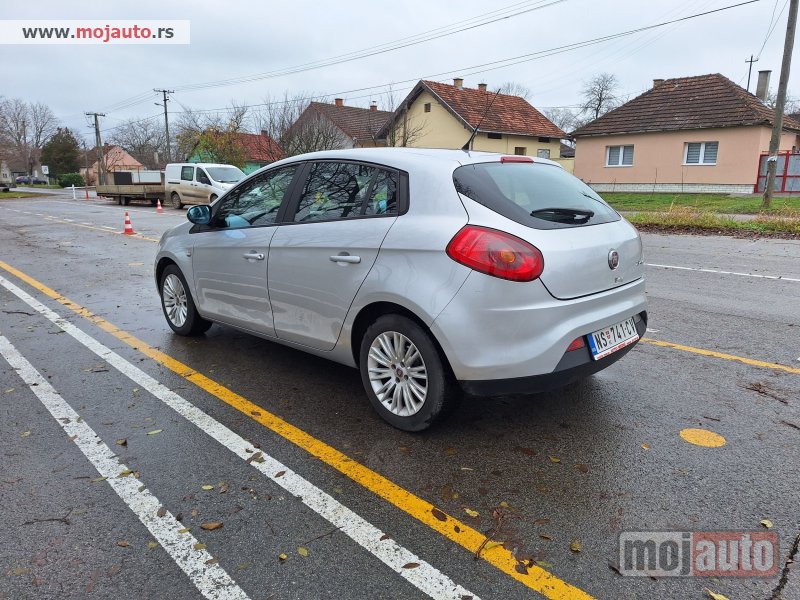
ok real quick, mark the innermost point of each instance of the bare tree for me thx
(402, 129)
(25, 128)
(212, 134)
(297, 126)
(512, 88)
(142, 139)
(599, 96)
(791, 106)
(564, 118)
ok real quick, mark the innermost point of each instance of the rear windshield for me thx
(537, 195)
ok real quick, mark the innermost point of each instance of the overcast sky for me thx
(237, 38)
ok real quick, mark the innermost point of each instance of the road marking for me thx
(774, 277)
(210, 579)
(702, 437)
(103, 228)
(533, 576)
(425, 577)
(723, 356)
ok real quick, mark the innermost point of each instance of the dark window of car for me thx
(383, 198)
(494, 136)
(537, 195)
(256, 202)
(202, 177)
(187, 173)
(334, 190)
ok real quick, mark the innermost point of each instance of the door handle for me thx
(346, 258)
(253, 255)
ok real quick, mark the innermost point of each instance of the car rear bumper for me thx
(573, 366)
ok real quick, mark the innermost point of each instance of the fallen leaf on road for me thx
(645, 446)
(98, 479)
(212, 561)
(471, 513)
(582, 467)
(184, 530)
(411, 565)
(123, 543)
(385, 536)
(438, 514)
(154, 432)
(199, 546)
(521, 568)
(767, 523)
(152, 545)
(125, 473)
(547, 537)
(280, 474)
(207, 488)
(450, 451)
(282, 556)
(576, 546)
(162, 511)
(490, 545)
(544, 564)
(714, 595)
(554, 459)
(223, 488)
(302, 551)
(211, 525)
(25, 433)
(255, 456)
(122, 442)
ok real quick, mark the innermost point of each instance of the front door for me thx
(230, 258)
(318, 261)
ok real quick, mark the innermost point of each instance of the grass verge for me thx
(788, 206)
(6, 195)
(683, 220)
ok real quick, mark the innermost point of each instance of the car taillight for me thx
(576, 344)
(496, 253)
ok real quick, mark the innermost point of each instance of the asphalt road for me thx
(317, 497)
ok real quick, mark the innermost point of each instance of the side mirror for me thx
(199, 215)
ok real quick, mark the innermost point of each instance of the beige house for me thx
(689, 134)
(438, 115)
(114, 158)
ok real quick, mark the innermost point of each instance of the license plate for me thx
(609, 340)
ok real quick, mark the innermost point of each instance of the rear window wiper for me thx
(552, 214)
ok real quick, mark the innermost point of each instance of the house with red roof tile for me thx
(440, 115)
(259, 150)
(688, 134)
(334, 126)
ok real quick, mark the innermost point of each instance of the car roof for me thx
(405, 158)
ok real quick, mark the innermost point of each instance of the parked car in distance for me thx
(434, 272)
(5, 187)
(198, 183)
(25, 180)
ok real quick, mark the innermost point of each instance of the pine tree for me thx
(61, 152)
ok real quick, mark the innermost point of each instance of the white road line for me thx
(425, 577)
(775, 277)
(210, 579)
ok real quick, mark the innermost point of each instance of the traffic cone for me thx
(128, 225)
(159, 209)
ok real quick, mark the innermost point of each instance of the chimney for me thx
(459, 83)
(762, 88)
(482, 87)
(338, 102)
(264, 132)
(373, 106)
(657, 82)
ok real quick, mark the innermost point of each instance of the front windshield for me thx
(225, 174)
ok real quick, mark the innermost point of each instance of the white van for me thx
(198, 183)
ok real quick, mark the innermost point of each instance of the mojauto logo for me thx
(698, 553)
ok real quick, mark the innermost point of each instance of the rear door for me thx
(320, 258)
(229, 258)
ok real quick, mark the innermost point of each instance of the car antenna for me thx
(465, 147)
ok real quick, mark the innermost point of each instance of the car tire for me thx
(178, 304)
(417, 393)
(176, 201)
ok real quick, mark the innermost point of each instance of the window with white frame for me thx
(619, 156)
(700, 153)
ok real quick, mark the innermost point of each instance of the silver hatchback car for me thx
(434, 272)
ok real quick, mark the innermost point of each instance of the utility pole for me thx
(165, 95)
(100, 154)
(777, 127)
(750, 70)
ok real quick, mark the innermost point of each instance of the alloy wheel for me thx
(174, 296)
(397, 373)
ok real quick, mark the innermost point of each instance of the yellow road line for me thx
(533, 576)
(723, 356)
